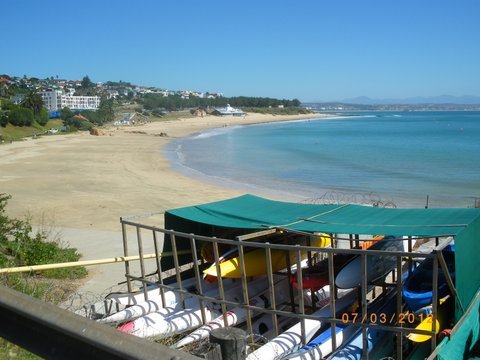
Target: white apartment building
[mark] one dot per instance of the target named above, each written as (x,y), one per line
(55,100)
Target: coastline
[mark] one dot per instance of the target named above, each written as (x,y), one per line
(79,185)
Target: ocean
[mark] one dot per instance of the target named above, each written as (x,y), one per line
(386,157)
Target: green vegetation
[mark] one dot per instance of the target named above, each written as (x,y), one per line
(30,112)
(20,116)
(176,102)
(85,120)
(88,88)
(19,247)
(12,351)
(105,112)
(87,83)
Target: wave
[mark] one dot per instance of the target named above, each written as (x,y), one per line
(215,132)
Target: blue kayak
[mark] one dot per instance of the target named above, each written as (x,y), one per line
(321,345)
(417,290)
(353,349)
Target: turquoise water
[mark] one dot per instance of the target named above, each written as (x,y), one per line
(402,157)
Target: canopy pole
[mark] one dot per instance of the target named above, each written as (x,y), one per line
(118,259)
(443,264)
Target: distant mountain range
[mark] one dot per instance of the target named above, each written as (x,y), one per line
(442,99)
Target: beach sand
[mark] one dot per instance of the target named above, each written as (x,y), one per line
(81,184)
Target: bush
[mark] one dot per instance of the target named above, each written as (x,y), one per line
(66,113)
(18,247)
(79,124)
(21,116)
(38,252)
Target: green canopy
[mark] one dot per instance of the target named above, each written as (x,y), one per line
(252,212)
(249,213)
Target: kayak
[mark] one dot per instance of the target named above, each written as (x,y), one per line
(263,328)
(444,316)
(153,292)
(291,339)
(237,315)
(233,292)
(417,290)
(157,325)
(350,275)
(255,261)
(353,348)
(316,277)
(138,310)
(322,345)
(230,254)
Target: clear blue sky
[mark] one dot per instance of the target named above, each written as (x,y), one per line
(310,49)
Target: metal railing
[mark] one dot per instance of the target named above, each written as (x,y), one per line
(55,333)
(404,259)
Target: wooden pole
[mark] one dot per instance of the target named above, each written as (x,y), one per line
(81,263)
(232,342)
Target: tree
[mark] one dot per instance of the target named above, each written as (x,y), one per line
(66,113)
(7,105)
(42,118)
(105,110)
(86,82)
(33,101)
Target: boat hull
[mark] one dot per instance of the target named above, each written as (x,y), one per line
(350,275)
(417,290)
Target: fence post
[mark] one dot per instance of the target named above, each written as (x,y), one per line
(232,342)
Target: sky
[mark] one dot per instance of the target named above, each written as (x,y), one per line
(312,50)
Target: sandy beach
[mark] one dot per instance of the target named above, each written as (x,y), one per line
(80,185)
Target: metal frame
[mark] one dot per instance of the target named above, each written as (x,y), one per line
(301,315)
(55,333)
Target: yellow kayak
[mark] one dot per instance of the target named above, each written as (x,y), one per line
(256,261)
(426,324)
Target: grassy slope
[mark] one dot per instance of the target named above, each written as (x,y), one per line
(13,133)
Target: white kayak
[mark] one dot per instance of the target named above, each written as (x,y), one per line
(153,293)
(233,292)
(291,339)
(156,325)
(139,310)
(237,315)
(350,275)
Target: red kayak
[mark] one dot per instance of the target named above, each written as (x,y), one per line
(316,277)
